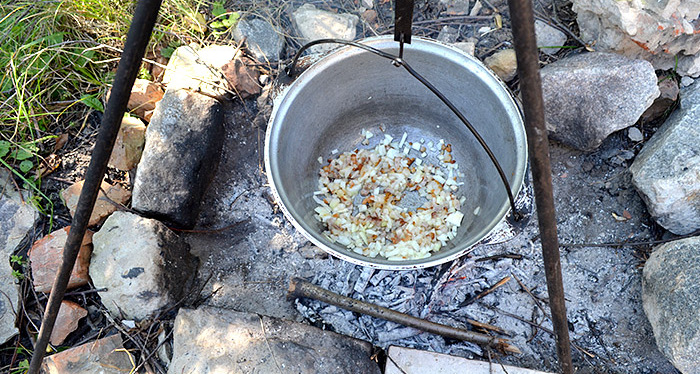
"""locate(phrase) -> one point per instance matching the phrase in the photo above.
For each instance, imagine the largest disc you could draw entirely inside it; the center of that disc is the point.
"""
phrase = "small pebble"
(686, 81)
(635, 135)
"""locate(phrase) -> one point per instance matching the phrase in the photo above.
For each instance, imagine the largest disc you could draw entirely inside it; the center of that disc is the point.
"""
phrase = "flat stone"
(144, 96)
(102, 356)
(503, 63)
(669, 95)
(263, 40)
(666, 173)
(144, 266)
(182, 150)
(686, 81)
(69, 314)
(548, 37)
(448, 34)
(671, 300)
(203, 340)
(414, 361)
(199, 70)
(104, 205)
(242, 76)
(469, 46)
(589, 96)
(661, 32)
(46, 256)
(129, 144)
(313, 24)
(17, 220)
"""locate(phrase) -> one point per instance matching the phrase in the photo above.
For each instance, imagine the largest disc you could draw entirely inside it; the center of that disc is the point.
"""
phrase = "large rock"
(211, 340)
(46, 257)
(671, 301)
(657, 31)
(262, 39)
(199, 69)
(183, 148)
(17, 220)
(313, 24)
(102, 356)
(144, 266)
(666, 172)
(590, 96)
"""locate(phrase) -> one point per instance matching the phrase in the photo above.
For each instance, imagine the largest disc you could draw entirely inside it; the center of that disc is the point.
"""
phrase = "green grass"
(60, 57)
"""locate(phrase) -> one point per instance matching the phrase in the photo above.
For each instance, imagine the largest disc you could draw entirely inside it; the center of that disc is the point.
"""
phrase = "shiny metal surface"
(351, 89)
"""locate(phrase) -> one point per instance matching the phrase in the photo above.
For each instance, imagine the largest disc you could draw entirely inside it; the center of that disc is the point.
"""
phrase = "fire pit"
(325, 110)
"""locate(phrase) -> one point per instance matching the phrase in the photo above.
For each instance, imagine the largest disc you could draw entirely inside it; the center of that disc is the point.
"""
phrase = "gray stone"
(414, 361)
(634, 134)
(182, 150)
(313, 24)
(666, 172)
(212, 340)
(262, 39)
(661, 32)
(448, 34)
(469, 46)
(687, 81)
(17, 220)
(548, 37)
(144, 266)
(199, 69)
(671, 299)
(589, 96)
(455, 6)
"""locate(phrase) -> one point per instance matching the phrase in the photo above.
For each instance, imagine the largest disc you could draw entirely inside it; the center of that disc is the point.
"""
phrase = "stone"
(662, 32)
(469, 46)
(207, 340)
(199, 70)
(46, 256)
(370, 16)
(666, 172)
(503, 63)
(69, 314)
(108, 200)
(102, 356)
(313, 24)
(242, 77)
(182, 150)
(448, 35)
(414, 361)
(589, 96)
(669, 95)
(263, 40)
(635, 134)
(129, 144)
(17, 219)
(686, 81)
(670, 298)
(454, 7)
(144, 266)
(144, 96)
(548, 37)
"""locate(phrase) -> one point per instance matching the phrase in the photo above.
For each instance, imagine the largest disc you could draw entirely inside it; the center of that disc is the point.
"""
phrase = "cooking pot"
(325, 109)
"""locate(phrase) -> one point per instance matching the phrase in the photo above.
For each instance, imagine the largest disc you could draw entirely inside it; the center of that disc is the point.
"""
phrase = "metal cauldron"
(351, 89)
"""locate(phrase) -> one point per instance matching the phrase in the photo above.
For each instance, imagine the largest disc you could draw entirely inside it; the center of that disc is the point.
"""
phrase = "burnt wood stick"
(301, 288)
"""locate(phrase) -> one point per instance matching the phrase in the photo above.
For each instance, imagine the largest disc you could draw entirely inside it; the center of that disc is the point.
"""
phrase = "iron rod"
(523, 24)
(301, 288)
(137, 39)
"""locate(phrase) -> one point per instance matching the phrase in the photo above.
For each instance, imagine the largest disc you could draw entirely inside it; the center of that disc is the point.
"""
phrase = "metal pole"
(137, 39)
(523, 23)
